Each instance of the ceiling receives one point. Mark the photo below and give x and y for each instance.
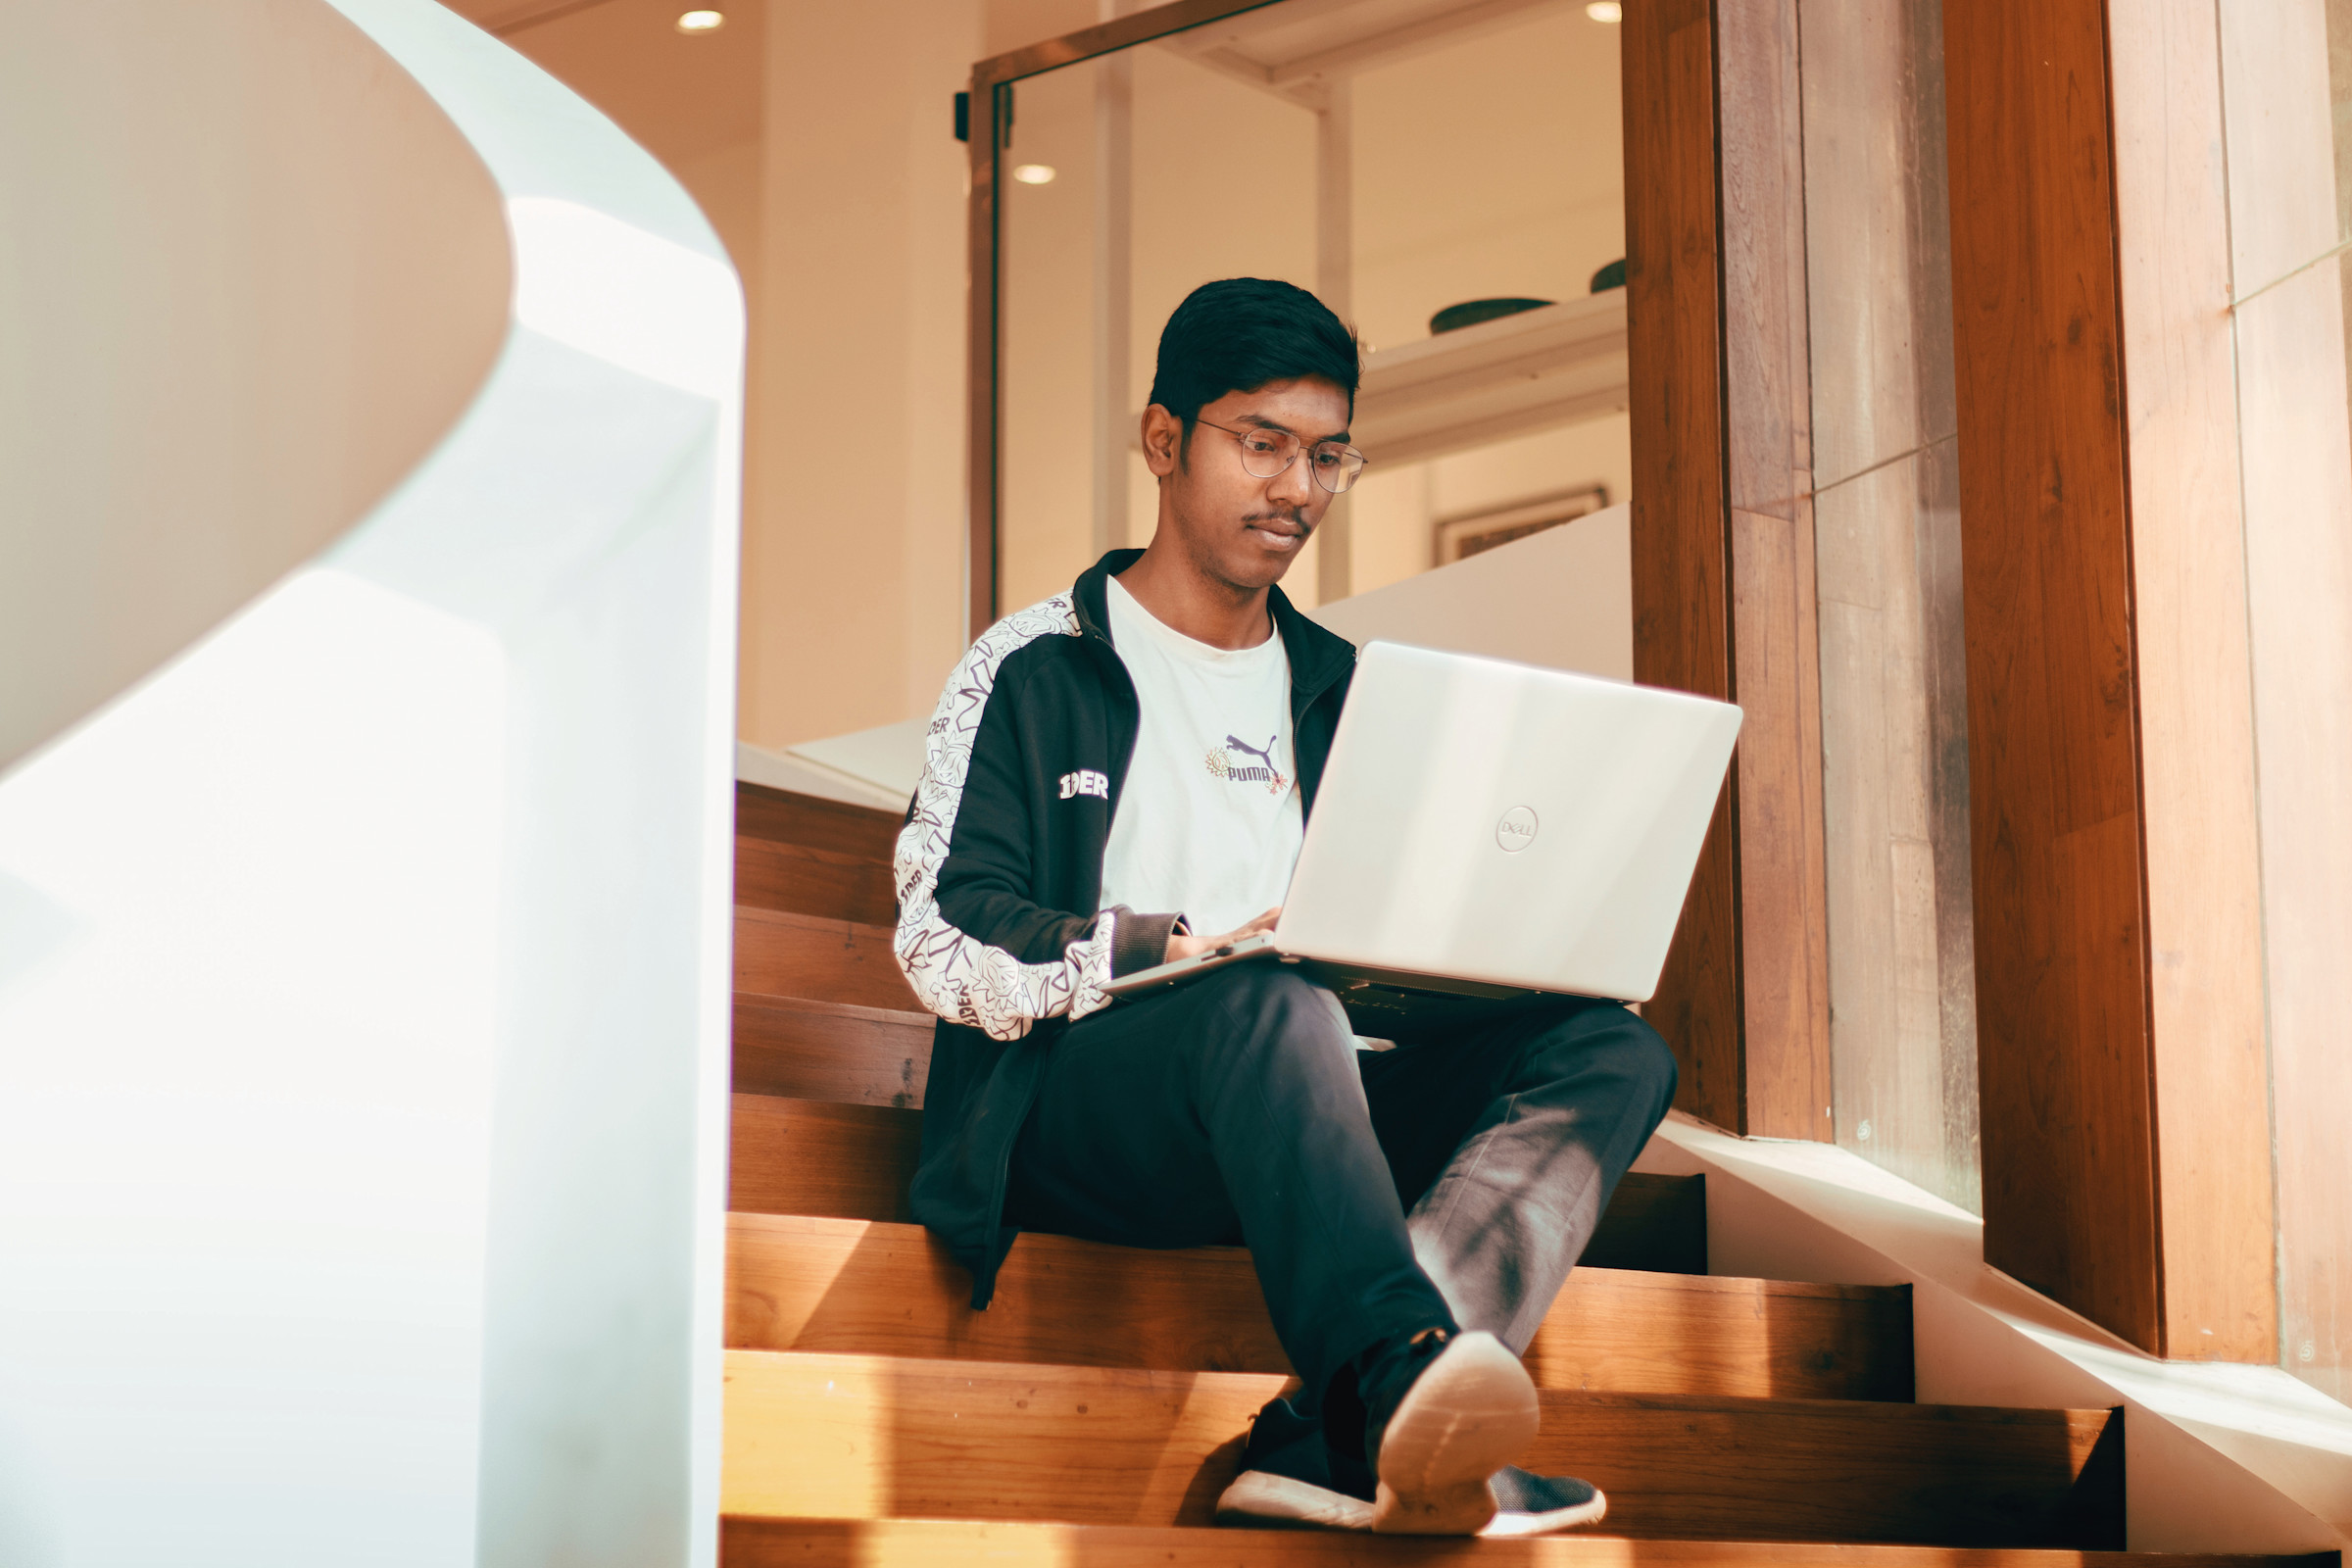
(679, 94)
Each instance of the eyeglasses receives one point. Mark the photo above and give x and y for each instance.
(1267, 451)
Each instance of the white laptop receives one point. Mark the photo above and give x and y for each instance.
(1490, 829)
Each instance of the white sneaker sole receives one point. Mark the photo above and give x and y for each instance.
(1263, 1500)
(1472, 1412)
(1511, 1526)
(1257, 1498)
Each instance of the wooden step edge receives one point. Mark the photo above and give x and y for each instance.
(885, 1437)
(840, 1052)
(826, 924)
(854, 1162)
(897, 1017)
(763, 1543)
(872, 1287)
(787, 955)
(786, 817)
(800, 879)
(909, 1370)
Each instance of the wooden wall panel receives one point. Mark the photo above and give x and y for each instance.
(2125, 1149)
(2053, 774)
(1722, 537)
(1776, 641)
(2296, 431)
(2215, 1212)
(1886, 531)
(1682, 569)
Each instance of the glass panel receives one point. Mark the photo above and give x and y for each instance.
(1159, 181)
(1426, 172)
(2291, 147)
(1491, 167)
(1886, 531)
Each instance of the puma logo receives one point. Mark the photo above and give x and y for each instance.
(1222, 766)
(1235, 744)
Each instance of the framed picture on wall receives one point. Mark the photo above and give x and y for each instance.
(1479, 531)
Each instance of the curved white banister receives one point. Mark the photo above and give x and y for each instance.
(248, 278)
(364, 967)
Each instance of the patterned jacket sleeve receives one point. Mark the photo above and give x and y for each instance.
(975, 948)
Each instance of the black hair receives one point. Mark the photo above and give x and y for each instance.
(1241, 333)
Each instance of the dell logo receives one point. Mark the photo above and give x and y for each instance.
(1517, 829)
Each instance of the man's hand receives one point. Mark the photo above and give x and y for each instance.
(1182, 946)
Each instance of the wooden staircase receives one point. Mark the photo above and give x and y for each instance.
(1094, 1412)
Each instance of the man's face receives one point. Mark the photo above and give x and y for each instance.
(1234, 527)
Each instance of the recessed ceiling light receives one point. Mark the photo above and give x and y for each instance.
(1605, 11)
(1034, 174)
(701, 22)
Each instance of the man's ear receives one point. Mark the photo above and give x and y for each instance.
(1163, 440)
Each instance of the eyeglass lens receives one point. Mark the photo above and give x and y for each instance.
(1267, 453)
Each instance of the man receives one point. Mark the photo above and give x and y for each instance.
(1127, 766)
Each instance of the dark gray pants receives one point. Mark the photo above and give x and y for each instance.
(1238, 1109)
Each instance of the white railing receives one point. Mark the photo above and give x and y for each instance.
(368, 499)
(1562, 598)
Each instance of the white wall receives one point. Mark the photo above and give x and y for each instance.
(854, 528)
(364, 968)
(242, 337)
(1562, 598)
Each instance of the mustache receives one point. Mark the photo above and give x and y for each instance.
(1296, 519)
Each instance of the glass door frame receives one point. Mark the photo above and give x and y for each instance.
(988, 119)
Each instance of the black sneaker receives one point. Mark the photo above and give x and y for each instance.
(1290, 1480)
(1444, 1412)
(1529, 1505)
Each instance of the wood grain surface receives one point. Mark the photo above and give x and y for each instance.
(778, 954)
(2192, 648)
(801, 1156)
(1776, 640)
(2298, 500)
(1724, 597)
(835, 1161)
(782, 816)
(832, 1051)
(2053, 772)
(868, 1437)
(750, 1542)
(799, 879)
(1887, 541)
(868, 1287)
(1681, 560)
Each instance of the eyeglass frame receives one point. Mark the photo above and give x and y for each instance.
(1300, 443)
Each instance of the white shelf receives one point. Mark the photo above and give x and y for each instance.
(1480, 384)
(1296, 49)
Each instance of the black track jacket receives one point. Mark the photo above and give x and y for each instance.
(1000, 868)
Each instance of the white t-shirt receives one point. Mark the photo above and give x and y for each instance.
(1208, 823)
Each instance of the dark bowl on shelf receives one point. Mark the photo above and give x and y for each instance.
(1470, 312)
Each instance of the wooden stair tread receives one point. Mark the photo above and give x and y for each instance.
(806, 880)
(831, 1051)
(780, 817)
(882, 1437)
(796, 1283)
(754, 1543)
(835, 1162)
(782, 954)
(803, 1157)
